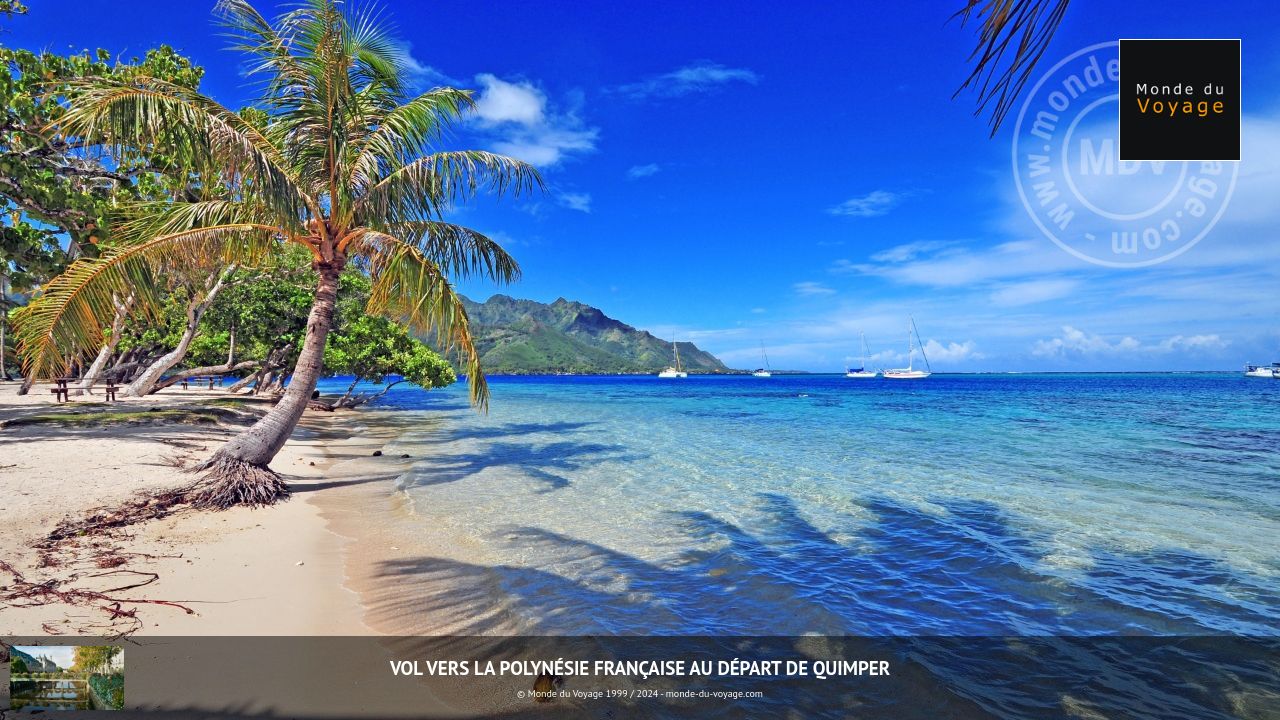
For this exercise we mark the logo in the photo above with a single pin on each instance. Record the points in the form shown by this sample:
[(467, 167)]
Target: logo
[(1180, 99), (1082, 196)]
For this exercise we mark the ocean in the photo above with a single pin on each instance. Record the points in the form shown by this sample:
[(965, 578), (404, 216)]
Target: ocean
[(996, 505), (958, 505)]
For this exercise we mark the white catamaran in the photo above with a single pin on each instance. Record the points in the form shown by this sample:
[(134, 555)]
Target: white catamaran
[(676, 371), (765, 371), (861, 371), (909, 372), (1263, 371)]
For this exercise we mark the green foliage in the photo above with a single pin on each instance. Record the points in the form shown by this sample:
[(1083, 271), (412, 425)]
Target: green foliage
[(337, 158), (110, 688), (369, 347), (94, 658), (17, 667), (9, 8), (54, 180)]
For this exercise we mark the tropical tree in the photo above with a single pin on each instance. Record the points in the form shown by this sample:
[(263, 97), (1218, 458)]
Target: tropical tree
[(340, 160), (370, 348)]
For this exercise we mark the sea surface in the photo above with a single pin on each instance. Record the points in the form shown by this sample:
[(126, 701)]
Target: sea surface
[(958, 505), (1051, 505)]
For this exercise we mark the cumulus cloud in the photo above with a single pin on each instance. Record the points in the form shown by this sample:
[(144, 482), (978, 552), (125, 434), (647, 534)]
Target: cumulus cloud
[(701, 76), (517, 117), (873, 204), (643, 171), (952, 352)]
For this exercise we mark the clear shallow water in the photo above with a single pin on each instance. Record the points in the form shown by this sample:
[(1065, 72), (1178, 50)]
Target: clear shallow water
[(959, 505)]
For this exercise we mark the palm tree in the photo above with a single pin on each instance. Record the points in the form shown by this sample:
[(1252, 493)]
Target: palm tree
[(336, 157), (1013, 35)]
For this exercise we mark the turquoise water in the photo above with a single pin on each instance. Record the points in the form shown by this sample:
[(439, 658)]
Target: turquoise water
[(972, 505)]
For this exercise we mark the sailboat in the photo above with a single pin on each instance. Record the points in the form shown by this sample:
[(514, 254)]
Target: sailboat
[(909, 372), (766, 370), (1262, 371), (861, 371), (676, 371)]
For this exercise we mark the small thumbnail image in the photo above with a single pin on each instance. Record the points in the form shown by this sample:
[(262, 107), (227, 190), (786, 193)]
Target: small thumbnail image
[(66, 677)]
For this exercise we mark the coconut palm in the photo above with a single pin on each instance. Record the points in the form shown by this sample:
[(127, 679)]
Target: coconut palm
[(336, 156), (1012, 37)]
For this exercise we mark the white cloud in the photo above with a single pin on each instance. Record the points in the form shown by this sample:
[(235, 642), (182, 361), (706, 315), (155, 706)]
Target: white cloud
[(517, 117), (758, 310), (575, 201), (501, 101), (424, 75), (643, 171), (873, 204), (810, 288), (910, 251), (696, 77), (1031, 292), (952, 352), (1078, 342)]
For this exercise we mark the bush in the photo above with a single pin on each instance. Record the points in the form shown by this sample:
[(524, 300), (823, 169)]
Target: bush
[(109, 689)]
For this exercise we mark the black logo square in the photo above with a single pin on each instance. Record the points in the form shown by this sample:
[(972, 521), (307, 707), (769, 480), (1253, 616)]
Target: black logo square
[(1180, 100)]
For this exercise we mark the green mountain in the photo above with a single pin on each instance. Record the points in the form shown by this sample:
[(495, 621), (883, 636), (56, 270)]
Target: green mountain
[(523, 337)]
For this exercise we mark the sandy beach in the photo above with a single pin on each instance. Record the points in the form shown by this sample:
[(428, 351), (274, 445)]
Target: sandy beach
[(265, 571)]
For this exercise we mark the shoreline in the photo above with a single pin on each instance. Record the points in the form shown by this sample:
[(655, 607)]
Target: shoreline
[(279, 570)]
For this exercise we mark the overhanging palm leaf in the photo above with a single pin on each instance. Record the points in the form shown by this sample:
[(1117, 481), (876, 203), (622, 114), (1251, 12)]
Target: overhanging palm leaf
[(409, 288), (65, 320), (1013, 37)]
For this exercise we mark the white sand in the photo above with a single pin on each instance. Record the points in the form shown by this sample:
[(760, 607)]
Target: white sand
[(238, 569)]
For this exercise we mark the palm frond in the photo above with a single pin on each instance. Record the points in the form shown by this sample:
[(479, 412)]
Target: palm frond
[(458, 251), (1013, 37), (406, 132), (66, 320), (427, 186), (144, 113), (255, 36), (409, 288)]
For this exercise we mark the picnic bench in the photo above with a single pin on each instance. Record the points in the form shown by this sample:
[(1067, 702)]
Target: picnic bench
[(63, 393), (60, 389)]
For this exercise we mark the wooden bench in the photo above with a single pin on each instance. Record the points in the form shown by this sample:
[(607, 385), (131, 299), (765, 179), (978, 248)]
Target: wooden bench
[(201, 380), (60, 389), (110, 390)]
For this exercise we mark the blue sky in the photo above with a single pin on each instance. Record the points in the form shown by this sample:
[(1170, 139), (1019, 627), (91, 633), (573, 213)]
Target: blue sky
[(747, 171)]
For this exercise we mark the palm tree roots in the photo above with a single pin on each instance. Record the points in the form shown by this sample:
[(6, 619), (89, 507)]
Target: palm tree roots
[(228, 482)]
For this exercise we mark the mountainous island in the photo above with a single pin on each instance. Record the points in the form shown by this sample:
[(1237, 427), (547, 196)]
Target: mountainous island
[(524, 337)]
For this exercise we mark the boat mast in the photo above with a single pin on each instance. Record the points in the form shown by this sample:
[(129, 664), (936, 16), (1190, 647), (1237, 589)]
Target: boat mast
[(676, 348), (863, 337), (764, 356), (921, 344), (911, 348)]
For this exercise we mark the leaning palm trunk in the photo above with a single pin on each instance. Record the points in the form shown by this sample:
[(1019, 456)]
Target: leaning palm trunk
[(338, 159), (94, 373), (238, 471), (146, 383)]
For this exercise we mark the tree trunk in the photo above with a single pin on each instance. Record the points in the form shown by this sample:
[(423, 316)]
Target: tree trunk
[(204, 372), (237, 472), (108, 348), (145, 384)]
